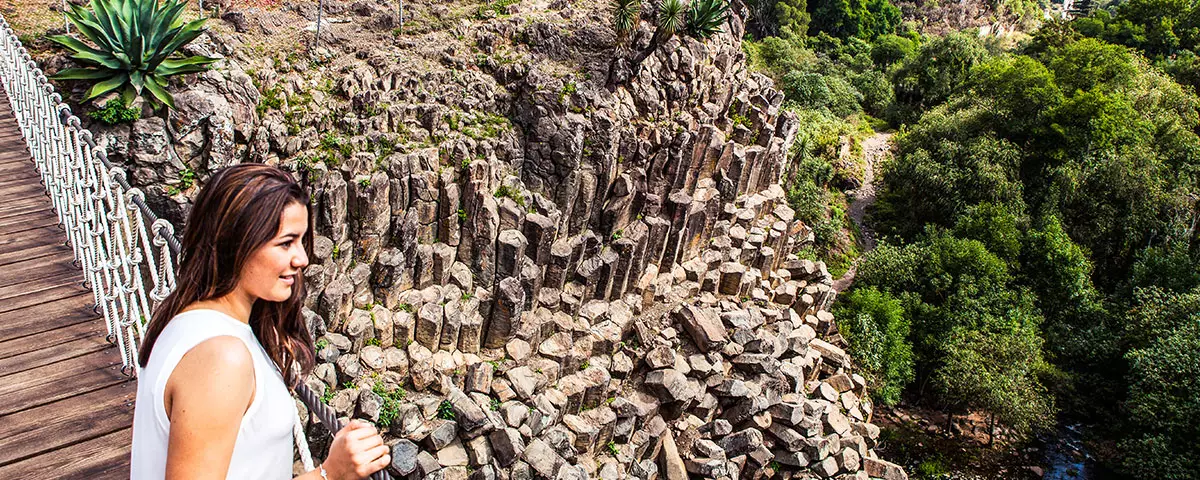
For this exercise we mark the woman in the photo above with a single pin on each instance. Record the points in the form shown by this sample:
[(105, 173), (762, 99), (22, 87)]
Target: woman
[(211, 400)]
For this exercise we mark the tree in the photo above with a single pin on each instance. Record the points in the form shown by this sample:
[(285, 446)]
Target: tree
[(943, 166), (1164, 386), (1023, 91), (792, 17), (877, 328), (997, 227), (1170, 267), (997, 373), (890, 49), (854, 18), (938, 70)]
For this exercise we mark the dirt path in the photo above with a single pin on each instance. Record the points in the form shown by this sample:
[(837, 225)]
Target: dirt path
[(875, 149)]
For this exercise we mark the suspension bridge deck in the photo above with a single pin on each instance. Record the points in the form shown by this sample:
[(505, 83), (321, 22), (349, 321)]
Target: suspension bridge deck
[(65, 407)]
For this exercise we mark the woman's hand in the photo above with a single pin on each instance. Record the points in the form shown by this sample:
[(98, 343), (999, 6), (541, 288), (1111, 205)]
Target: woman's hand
[(357, 452)]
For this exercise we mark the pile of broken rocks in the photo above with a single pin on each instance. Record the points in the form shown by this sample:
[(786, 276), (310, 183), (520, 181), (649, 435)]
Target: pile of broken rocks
[(674, 383)]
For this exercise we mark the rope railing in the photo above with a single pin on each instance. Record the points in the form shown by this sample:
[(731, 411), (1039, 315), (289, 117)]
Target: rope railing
[(118, 242)]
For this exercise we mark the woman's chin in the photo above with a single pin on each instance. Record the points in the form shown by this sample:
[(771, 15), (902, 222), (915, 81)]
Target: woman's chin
[(279, 295)]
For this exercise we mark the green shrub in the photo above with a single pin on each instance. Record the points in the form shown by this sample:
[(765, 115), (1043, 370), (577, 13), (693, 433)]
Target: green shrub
[(625, 16), (115, 112), (877, 328), (391, 403)]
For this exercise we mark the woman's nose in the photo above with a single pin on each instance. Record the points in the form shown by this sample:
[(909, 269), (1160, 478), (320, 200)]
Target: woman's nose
[(300, 260)]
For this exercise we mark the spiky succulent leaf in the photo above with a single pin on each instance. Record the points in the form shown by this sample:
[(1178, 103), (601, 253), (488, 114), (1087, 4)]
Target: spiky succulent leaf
[(670, 17), (625, 16), (704, 17), (83, 74), (134, 45), (106, 86), (157, 87)]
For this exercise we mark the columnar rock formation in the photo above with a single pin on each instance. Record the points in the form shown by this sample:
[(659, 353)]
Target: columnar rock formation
[(573, 269)]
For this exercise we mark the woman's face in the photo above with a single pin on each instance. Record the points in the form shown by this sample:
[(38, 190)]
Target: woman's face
[(271, 270)]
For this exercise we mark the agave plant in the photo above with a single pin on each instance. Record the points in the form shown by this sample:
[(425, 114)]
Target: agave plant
[(670, 18), (625, 16), (134, 47), (704, 17)]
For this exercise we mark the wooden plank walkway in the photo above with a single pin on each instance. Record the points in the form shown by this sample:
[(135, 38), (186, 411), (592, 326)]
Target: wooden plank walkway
[(65, 407)]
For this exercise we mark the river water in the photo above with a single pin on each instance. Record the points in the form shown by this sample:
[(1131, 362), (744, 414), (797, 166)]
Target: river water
[(1067, 457)]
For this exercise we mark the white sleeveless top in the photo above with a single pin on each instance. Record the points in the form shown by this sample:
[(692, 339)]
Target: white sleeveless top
[(263, 449)]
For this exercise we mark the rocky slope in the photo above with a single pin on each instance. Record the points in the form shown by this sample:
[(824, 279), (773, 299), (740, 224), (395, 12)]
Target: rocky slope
[(571, 268)]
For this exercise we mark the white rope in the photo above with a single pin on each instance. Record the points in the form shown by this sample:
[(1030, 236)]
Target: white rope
[(302, 443), (105, 220)]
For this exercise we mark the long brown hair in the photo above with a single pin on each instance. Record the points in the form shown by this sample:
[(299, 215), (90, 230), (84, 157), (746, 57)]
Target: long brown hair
[(235, 214)]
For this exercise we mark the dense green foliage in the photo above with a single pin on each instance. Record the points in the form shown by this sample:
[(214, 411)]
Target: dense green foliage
[(1073, 165), (135, 45), (877, 328), (854, 18), (1164, 390), (1040, 249)]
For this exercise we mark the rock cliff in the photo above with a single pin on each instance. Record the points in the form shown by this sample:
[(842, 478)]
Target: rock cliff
[(572, 268)]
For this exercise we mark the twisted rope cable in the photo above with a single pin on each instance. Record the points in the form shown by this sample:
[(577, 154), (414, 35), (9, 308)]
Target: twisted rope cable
[(328, 417)]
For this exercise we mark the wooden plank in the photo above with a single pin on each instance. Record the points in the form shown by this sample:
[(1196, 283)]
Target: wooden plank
[(33, 268), (36, 267), (31, 221), (48, 234), (51, 338), (14, 167), (16, 253), (28, 202), (41, 296), (41, 317), (51, 383), (56, 353), (104, 457), (39, 284), (28, 215), (10, 210), (66, 422), (22, 190)]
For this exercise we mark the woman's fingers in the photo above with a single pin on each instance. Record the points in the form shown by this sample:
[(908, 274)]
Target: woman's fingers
[(364, 430), (385, 460), (372, 460)]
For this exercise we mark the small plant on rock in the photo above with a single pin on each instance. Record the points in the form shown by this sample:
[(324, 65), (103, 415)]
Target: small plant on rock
[(445, 410), (115, 112), (625, 17), (391, 403), (704, 17)]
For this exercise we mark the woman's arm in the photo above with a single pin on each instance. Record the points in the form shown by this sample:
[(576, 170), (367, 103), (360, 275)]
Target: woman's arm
[(205, 398)]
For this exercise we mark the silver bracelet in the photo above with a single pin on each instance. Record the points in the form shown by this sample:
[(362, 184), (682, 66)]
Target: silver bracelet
[(321, 468)]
